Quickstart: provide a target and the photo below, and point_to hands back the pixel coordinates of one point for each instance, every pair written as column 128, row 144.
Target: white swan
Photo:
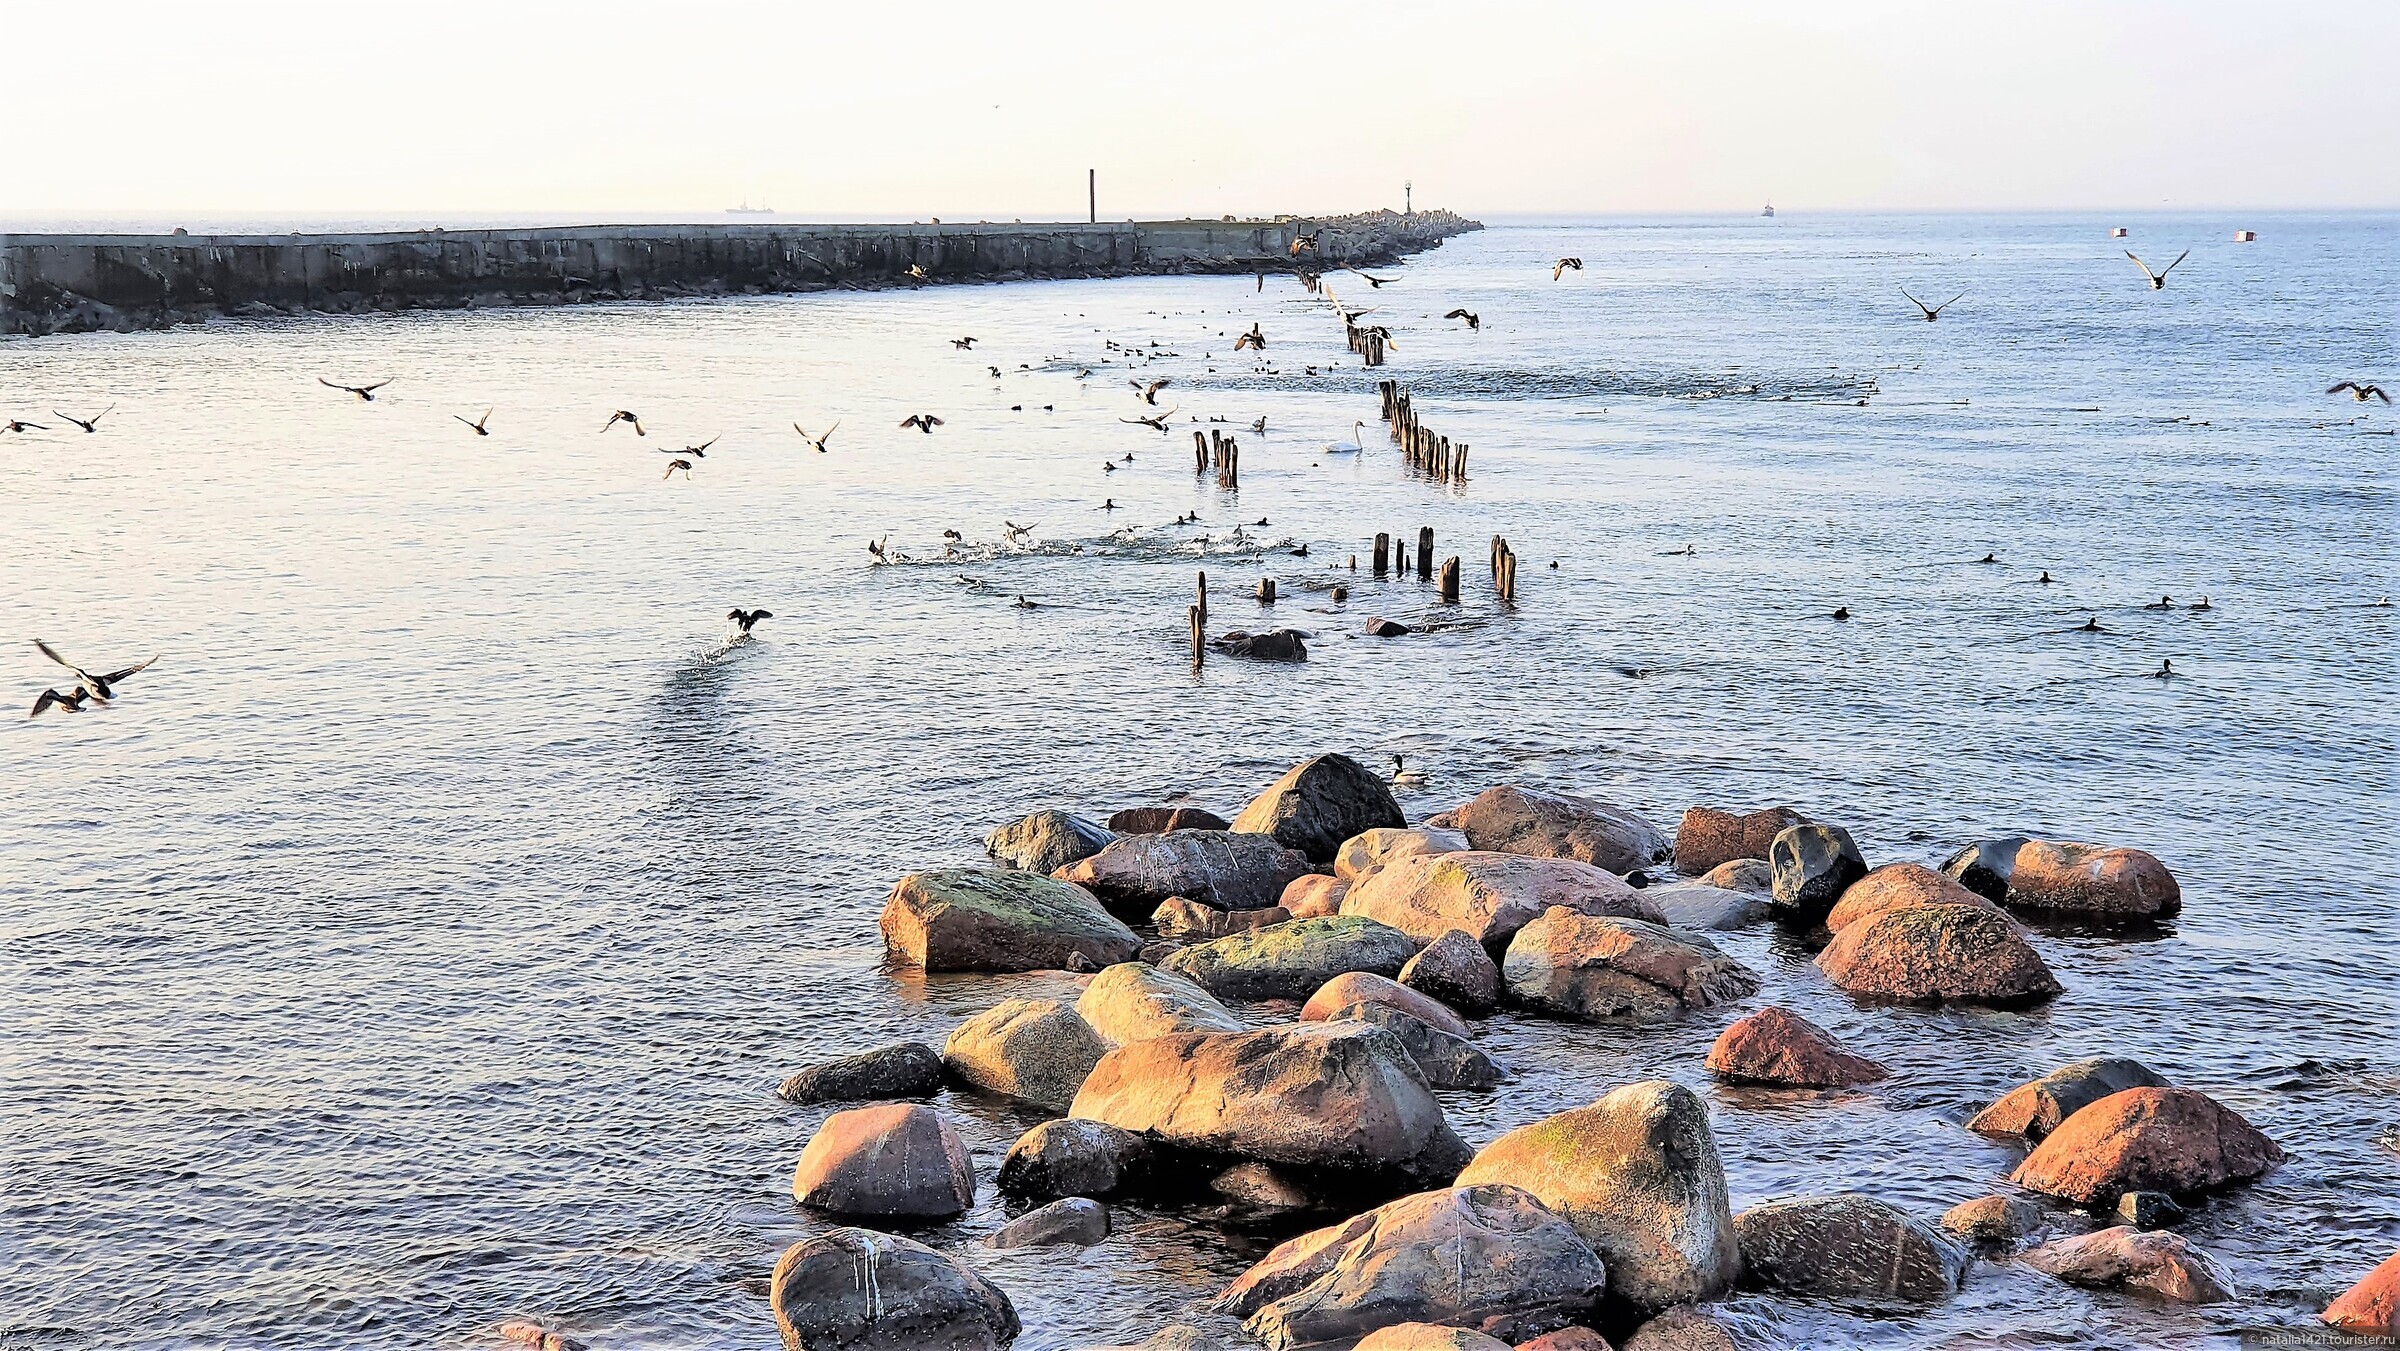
column 1353, row 446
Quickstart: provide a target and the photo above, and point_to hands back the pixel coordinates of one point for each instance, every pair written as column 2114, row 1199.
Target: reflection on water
column 419, row 943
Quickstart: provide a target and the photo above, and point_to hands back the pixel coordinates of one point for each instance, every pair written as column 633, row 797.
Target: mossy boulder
column 986, row 919
column 1290, row 960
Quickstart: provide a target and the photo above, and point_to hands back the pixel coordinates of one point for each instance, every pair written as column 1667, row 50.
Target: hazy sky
column 874, row 109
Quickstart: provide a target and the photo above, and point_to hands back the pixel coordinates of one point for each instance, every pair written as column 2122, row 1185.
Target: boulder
column 1314, row 896
column 2030, row 1111
column 1380, row 627
column 1489, row 895
column 1709, row 838
column 907, row 1069
column 1445, row 1059
column 1984, row 866
column 899, row 1161
column 1340, row 1096
column 1046, row 841
column 533, row 1336
column 2148, row 1210
column 1516, row 820
column 1219, row 868
column 1077, row 1220
column 2371, row 1306
column 1813, row 866
column 1682, row 1328
column 1428, row 1337
column 1182, row 1337
column 1938, row 953
column 1637, row 1174
column 1075, row 1158
column 1261, row 1186
column 1290, row 960
column 1159, row 820
column 2174, row 1140
column 1567, row 1339
column 1362, row 854
column 984, row 919
column 1180, row 918
column 1898, row 886
column 861, row 1291
column 1485, row 1257
column 1753, row 876
column 1849, row 1246
column 1033, row 1050
column 2125, row 1258
column 1336, row 997
column 1133, row 1001
column 1319, row 803
column 1697, row 905
column 1601, row 970
column 1456, row 970
column 1992, row 1220
column 2089, row 879
column 1776, row 1046
column 1273, row 645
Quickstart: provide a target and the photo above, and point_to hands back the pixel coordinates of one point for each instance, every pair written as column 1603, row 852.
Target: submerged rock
column 1682, row 1328
column 984, row 919
column 1222, row 869
column 1319, row 803
column 2031, row 1111
column 1075, row 1158
column 898, row 1161
column 1490, row 896
column 1517, row 820
column 1456, row 970
column 1898, row 886
column 1133, row 1001
column 1938, row 953
column 907, row 1069
column 1848, row 1245
column 1813, row 865
column 1380, row 627
column 1273, row 645
column 1752, row 876
column 1077, row 1220
column 2372, row 1305
column 861, row 1291
column 1290, row 960
column 1992, row 1220
column 2125, row 1258
column 1337, row 997
column 2091, row 879
column 1473, row 1256
column 1637, row 1174
column 2175, row 1140
column 1033, row 1050
column 1709, row 838
column 1600, row 970
column 1159, row 820
column 1261, row 1187
column 1045, row 841
column 1776, row 1046
column 1984, row 866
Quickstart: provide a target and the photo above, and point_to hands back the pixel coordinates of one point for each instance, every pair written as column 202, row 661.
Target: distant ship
column 745, row 209
column 1769, row 211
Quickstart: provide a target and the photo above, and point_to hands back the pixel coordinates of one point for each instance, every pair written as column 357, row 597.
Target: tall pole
column 1408, row 198
column 1091, row 184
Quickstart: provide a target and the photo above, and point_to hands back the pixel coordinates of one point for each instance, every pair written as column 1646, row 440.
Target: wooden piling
column 1424, row 553
column 1450, row 578
column 1200, row 589
column 1199, row 451
column 1266, row 591
column 1199, row 626
column 1383, row 552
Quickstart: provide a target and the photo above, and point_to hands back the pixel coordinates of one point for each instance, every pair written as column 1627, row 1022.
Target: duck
column 1404, row 777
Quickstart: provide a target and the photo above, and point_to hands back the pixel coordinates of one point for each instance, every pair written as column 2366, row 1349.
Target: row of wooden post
column 1504, row 570
column 1213, row 449
column 1368, row 343
column 1426, row 452
column 1391, row 555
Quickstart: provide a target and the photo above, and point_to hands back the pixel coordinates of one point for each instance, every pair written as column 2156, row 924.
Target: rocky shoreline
column 1268, row 1006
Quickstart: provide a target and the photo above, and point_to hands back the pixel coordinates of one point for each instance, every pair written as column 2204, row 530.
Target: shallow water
column 420, row 942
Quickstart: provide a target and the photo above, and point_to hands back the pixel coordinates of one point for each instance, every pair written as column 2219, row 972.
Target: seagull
column 70, row 702
column 675, row 464
column 1017, row 533
column 1474, row 321
column 2360, row 392
column 963, row 344
column 1933, row 312
column 477, row 424
column 622, row 416
column 1404, row 777
column 1150, row 391
column 1158, row 423
column 875, row 547
column 924, row 422
column 917, row 272
column 1559, row 268
column 92, row 424
column 99, row 687
column 365, row 393
column 1307, row 241
column 2158, row 280
column 700, row 451
column 13, row 425
column 1353, row 446
column 744, row 619
column 817, row 441
column 1252, row 339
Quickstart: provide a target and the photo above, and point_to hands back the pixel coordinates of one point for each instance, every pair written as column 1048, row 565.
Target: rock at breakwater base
column 1319, row 803
column 1849, row 1246
column 1046, row 841
column 1273, row 645
column 1290, row 960
column 898, row 1161
column 2173, row 1140
column 1221, row 869
column 1709, row 839
column 1515, row 820
column 905, row 1070
column 987, row 919
column 863, row 1291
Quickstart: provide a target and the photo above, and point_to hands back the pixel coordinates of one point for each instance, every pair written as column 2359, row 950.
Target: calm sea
column 419, row 943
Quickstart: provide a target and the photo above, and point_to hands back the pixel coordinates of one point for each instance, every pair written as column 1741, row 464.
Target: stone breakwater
column 81, row 283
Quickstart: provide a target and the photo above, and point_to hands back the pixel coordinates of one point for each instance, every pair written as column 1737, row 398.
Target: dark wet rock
column 1752, row 876
column 1682, row 1328
column 898, row 1161
column 1077, row 1220
column 2175, row 1140
column 1319, row 803
column 1489, row 895
column 2148, row 1210
column 1134, row 1002
column 1341, row 1096
column 1637, row 1174
column 1075, row 1158
column 1813, row 866
column 1695, row 905
column 2124, row 1258
column 1337, row 997
column 1984, row 866
column 908, row 1069
column 1369, row 850
column 1597, row 969
column 1899, row 886
column 1938, row 954
column 1567, row 1339
column 1261, row 1186
column 1223, row 869
column 1709, row 838
column 1849, row 1246
column 860, row 1291
column 1033, row 1050
column 1177, row 917
column 986, row 919
column 1387, row 628
column 1290, row 960
column 1046, row 841
column 1515, row 820
column 1456, row 970
column 1446, row 1059
column 1992, row 1221
column 1184, row 1337
column 1158, row 951
column 1159, row 820
column 2093, row 880
column 2031, row 1111
column 1314, row 897
column 1273, row 645
column 1477, row 1256
column 1776, row 1046
column 2371, row 1306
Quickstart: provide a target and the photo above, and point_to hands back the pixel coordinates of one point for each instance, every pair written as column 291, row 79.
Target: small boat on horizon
column 745, row 209
column 1769, row 211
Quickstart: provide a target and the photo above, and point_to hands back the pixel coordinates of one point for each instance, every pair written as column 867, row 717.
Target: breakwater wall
column 79, row 283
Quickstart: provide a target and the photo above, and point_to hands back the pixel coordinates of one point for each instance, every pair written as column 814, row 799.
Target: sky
column 872, row 111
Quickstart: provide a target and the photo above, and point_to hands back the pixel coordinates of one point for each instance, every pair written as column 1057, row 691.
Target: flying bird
column 100, row 687
column 1017, row 533
column 1933, row 312
column 699, row 452
column 2360, row 392
column 875, row 547
column 963, row 344
column 92, row 424
column 1149, row 392
column 744, row 619
column 1474, row 321
column 1559, row 268
column 19, row 427
column 917, row 272
column 817, row 441
column 1158, row 423
column 477, row 424
column 622, row 416
column 1254, row 339
column 70, row 702
column 2158, row 279
column 924, row 422
column 1376, row 283
column 1307, row 241
column 365, row 393
column 675, row 464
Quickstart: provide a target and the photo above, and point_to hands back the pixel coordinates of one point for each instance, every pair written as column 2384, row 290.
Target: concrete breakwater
column 79, row 283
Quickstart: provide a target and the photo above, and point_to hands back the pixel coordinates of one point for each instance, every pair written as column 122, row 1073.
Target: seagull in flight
column 92, row 424
column 743, row 620
column 477, row 425
column 1158, row 423
column 1559, row 268
column 1474, row 321
column 1933, row 312
column 2360, row 392
column 924, row 422
column 1253, row 339
column 1149, row 392
column 622, row 416
column 100, row 687
column 2158, row 279
column 70, row 702
column 365, row 393
column 817, row 441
